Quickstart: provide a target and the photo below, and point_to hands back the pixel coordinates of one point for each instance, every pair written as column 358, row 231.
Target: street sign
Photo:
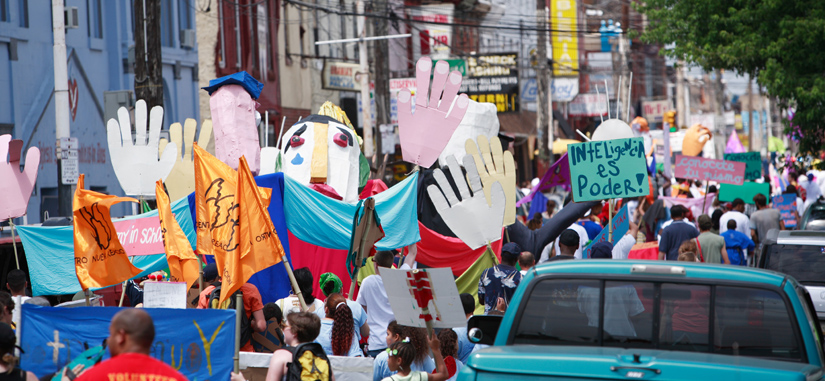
column 70, row 169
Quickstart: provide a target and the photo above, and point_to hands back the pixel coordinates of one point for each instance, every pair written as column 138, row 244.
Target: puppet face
column 320, row 150
column 233, row 122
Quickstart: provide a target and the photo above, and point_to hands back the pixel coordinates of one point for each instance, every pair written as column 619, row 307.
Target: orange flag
column 259, row 246
column 99, row 258
column 217, row 214
column 183, row 264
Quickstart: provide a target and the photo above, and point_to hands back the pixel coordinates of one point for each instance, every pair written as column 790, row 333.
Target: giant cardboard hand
column 495, row 166
column 695, row 138
column 136, row 165
column 425, row 133
column 472, row 219
column 16, row 186
column 181, row 180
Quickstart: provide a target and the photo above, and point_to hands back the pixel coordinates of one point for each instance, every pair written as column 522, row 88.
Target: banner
column 746, row 191
column 753, row 163
column 699, row 168
column 621, row 224
column 197, row 343
column 606, row 169
column 557, row 175
column 564, row 37
column 50, row 252
column 786, row 204
column 493, row 78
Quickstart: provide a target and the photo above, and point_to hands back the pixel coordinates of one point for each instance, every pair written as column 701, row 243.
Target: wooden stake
column 14, row 244
column 294, row 283
column 238, row 311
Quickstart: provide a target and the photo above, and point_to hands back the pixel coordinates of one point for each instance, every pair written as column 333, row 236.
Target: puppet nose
column 320, row 157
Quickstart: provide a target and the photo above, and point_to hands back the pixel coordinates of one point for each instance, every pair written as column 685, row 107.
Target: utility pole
column 544, row 101
column 148, row 63
column 680, row 93
column 61, row 107
column 366, row 121
column 382, row 77
column 750, row 113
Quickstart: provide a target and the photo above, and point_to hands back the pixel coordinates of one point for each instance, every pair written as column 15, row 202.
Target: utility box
column 113, row 100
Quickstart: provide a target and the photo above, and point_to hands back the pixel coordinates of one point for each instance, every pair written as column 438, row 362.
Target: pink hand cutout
column 16, row 186
column 425, row 133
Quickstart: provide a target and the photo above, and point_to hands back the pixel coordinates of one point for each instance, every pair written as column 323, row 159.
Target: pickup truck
column 800, row 254
column 609, row 320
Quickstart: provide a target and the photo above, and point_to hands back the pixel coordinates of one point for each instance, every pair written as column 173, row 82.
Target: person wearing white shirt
column 621, row 250
column 16, row 283
column 373, row 298
column 743, row 223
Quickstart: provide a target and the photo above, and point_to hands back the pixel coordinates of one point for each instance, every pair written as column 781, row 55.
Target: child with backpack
column 403, row 353
column 302, row 359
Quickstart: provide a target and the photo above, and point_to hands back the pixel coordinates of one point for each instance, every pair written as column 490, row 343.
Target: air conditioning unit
column 187, row 38
column 70, row 17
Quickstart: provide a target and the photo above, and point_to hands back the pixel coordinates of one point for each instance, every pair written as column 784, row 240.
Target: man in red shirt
column 252, row 302
column 131, row 333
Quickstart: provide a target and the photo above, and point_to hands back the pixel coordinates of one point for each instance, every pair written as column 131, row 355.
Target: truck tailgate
column 529, row 362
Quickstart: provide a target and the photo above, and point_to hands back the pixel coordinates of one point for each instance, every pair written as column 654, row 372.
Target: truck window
column 736, row 321
column 806, row 263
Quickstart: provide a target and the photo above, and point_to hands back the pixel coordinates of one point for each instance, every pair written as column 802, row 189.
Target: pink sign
column 140, row 236
column 721, row 171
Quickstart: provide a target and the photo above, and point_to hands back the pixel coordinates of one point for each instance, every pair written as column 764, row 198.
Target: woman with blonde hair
column 8, row 361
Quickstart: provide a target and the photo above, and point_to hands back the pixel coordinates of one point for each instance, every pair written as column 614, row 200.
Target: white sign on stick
column 164, row 295
column 435, row 287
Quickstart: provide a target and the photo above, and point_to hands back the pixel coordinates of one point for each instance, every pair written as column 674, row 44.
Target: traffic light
column 670, row 119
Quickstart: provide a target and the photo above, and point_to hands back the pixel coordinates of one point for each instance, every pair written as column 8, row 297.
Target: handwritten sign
column 698, row 168
column 746, row 191
column 164, row 295
column 608, row 169
column 753, row 163
column 621, row 225
column 786, row 204
column 435, row 289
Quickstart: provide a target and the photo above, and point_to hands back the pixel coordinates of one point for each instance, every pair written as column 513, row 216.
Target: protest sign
column 746, row 191
column 753, row 163
column 164, row 295
column 608, row 169
column 422, row 295
column 786, row 204
column 698, row 168
column 621, row 224
column 197, row 343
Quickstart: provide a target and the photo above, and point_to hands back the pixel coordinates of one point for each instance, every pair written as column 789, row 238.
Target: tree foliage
column 781, row 43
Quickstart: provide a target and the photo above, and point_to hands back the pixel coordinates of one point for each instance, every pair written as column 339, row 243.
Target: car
column 814, row 216
column 605, row 320
column 800, row 254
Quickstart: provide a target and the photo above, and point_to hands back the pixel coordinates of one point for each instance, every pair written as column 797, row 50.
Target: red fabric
column 319, row 260
column 449, row 363
column 372, row 188
column 131, row 366
column 647, row 250
column 326, row 190
column 436, row 250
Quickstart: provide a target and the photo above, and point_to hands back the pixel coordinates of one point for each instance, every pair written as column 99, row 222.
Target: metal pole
column 238, row 311
column 366, row 121
column 61, row 104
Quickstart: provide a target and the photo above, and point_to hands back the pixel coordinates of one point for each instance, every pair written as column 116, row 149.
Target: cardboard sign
column 753, row 163
column 621, row 224
column 164, row 295
column 698, row 168
column 434, row 289
column 16, row 186
column 608, row 169
column 786, row 204
column 198, row 343
column 746, row 191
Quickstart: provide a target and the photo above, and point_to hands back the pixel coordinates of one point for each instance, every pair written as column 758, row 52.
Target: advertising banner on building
column 588, row 105
column 341, row 76
column 434, row 37
column 653, row 111
column 493, row 78
column 564, row 37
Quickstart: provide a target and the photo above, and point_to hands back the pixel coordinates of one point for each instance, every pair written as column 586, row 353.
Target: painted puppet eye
column 296, row 141
column 340, row 139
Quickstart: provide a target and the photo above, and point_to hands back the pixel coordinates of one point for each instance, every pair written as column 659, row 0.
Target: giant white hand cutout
column 425, row 133
column 495, row 166
column 181, row 180
column 15, row 186
column 472, row 219
column 136, row 164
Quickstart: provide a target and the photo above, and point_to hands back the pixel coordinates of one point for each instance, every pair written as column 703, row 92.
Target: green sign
column 455, row 64
column 746, row 191
column 753, row 163
column 607, row 169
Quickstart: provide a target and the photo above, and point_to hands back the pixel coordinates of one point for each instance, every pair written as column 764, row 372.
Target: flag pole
column 200, row 276
column 292, row 280
column 609, row 221
column 238, row 311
